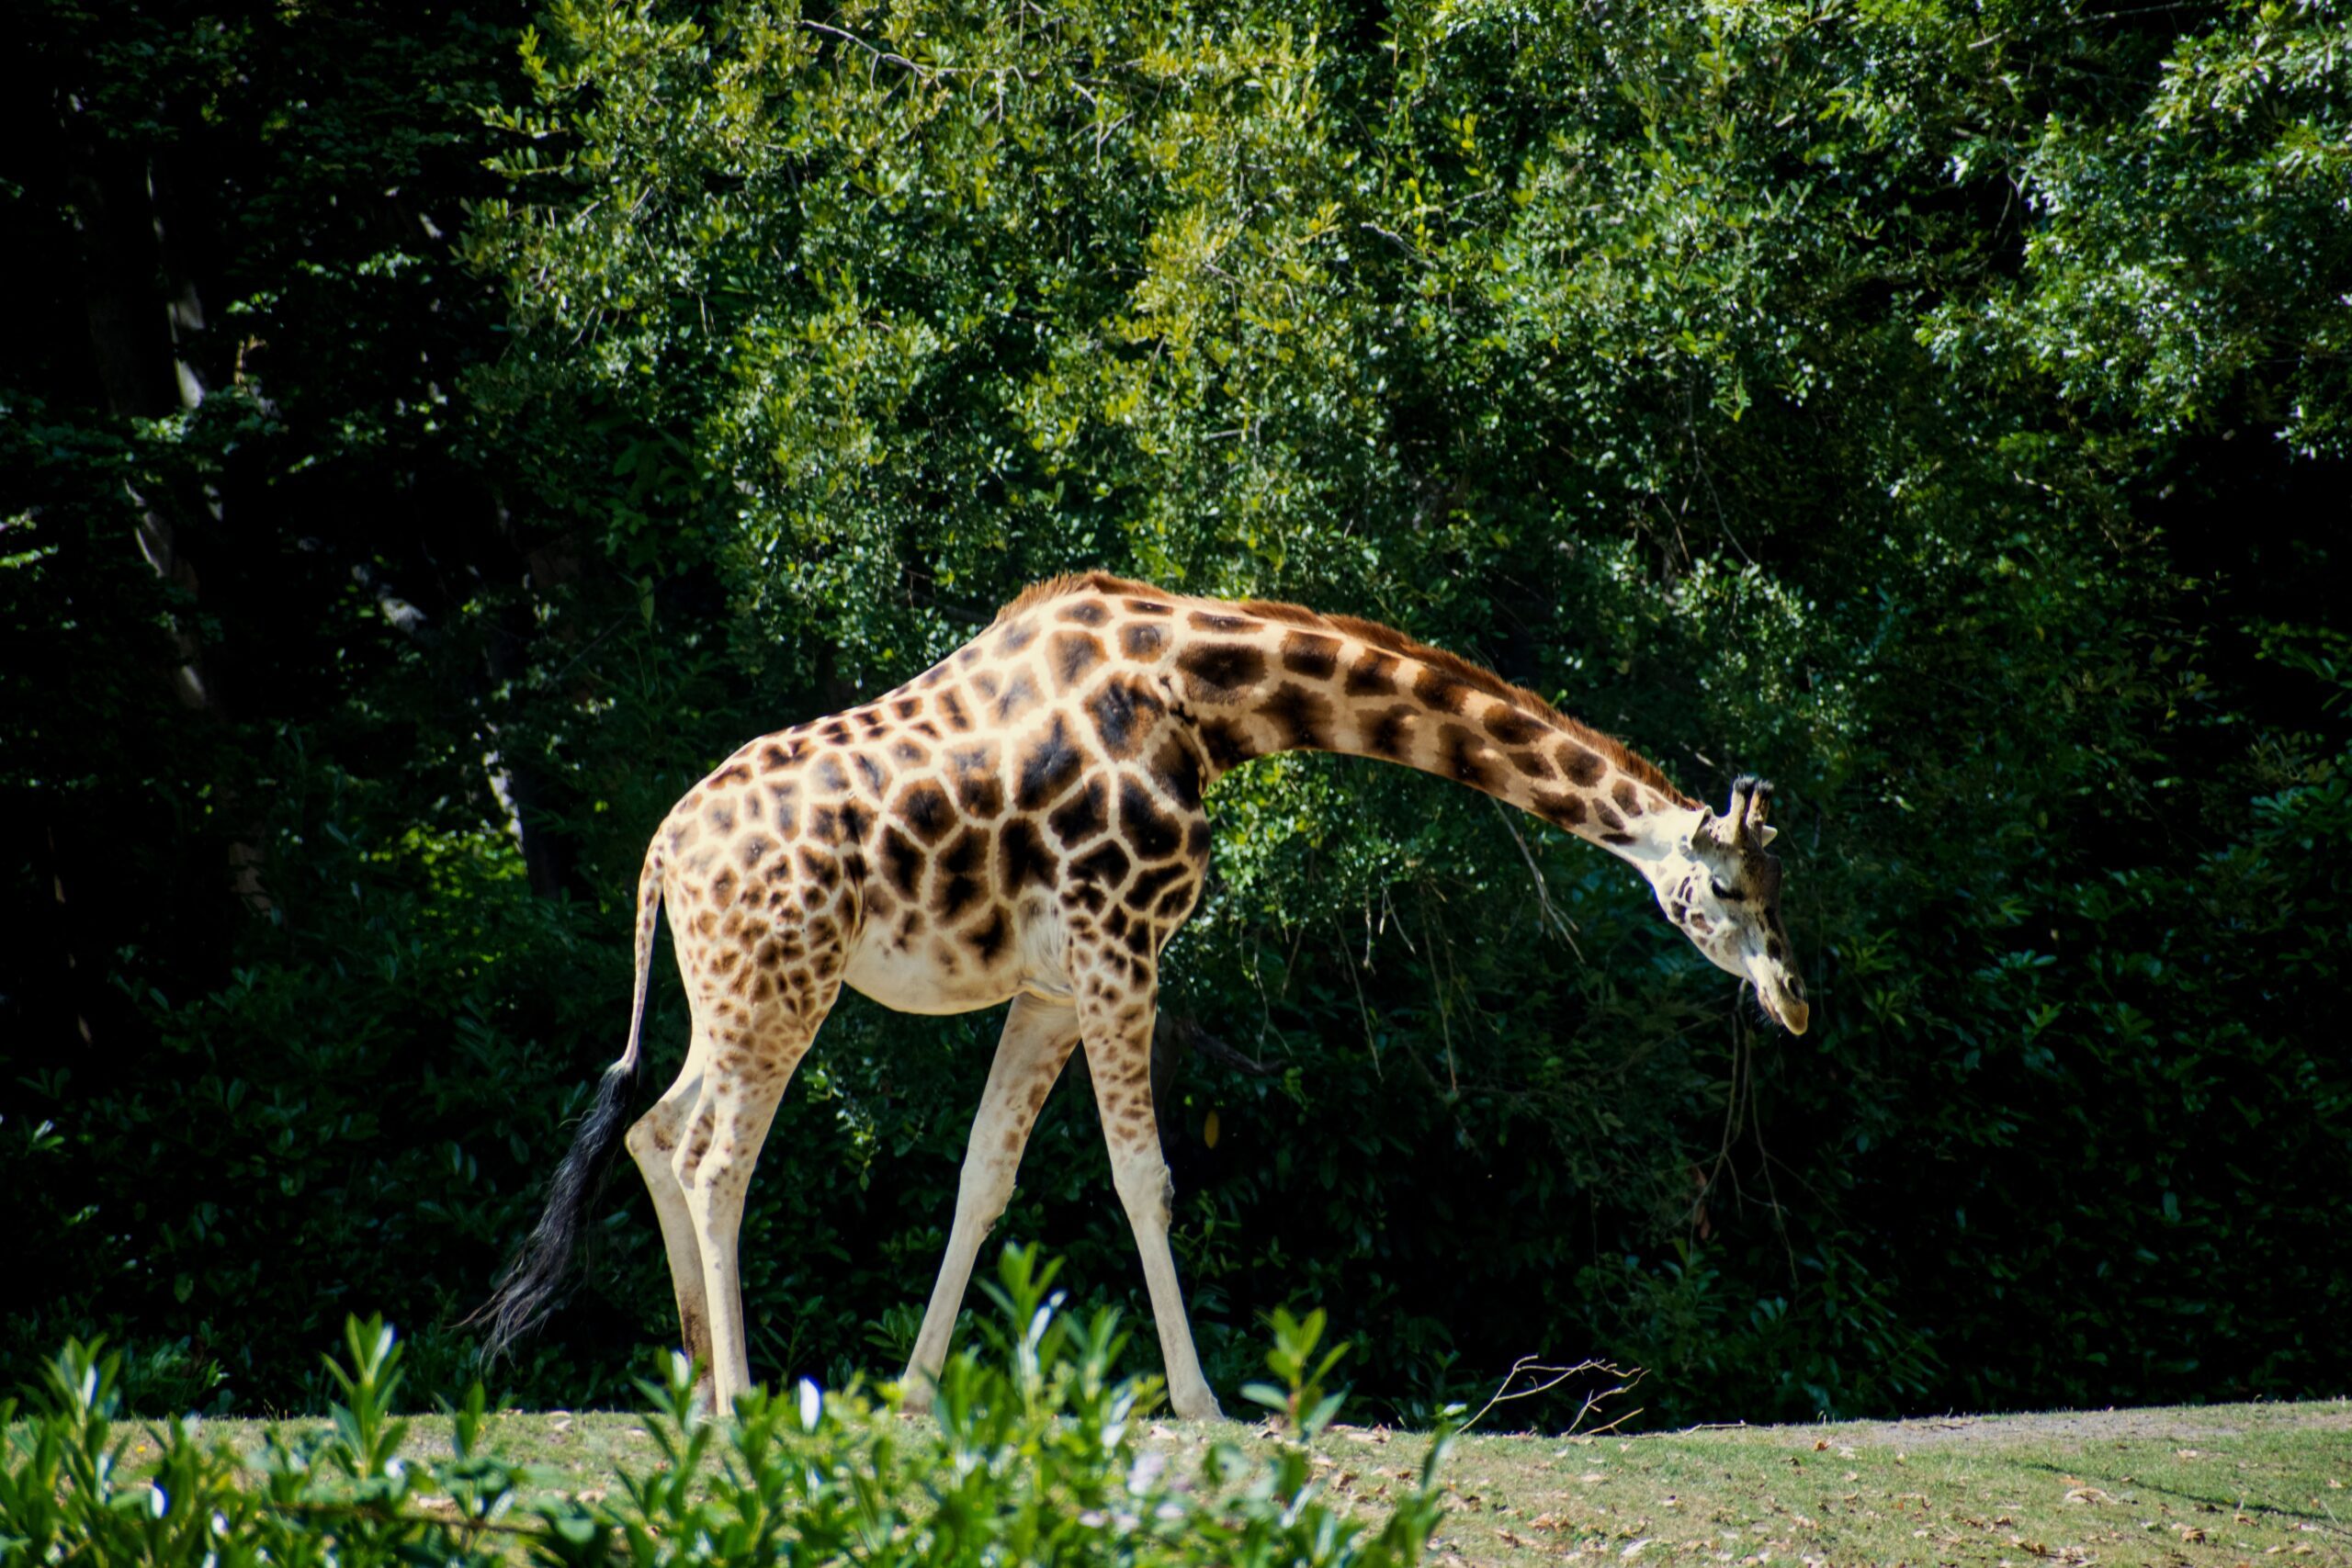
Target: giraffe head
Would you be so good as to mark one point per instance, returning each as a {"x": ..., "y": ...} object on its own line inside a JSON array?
[{"x": 1723, "y": 889}]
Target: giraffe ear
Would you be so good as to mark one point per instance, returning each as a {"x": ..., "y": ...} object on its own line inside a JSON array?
[
  {"x": 1718, "y": 832},
  {"x": 1751, "y": 801},
  {"x": 1765, "y": 835},
  {"x": 1731, "y": 829}
]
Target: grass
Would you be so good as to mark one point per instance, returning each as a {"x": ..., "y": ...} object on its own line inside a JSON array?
[{"x": 2221, "y": 1485}]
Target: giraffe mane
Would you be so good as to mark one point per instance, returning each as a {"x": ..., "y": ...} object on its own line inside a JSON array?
[
  {"x": 1388, "y": 639},
  {"x": 1081, "y": 582}
]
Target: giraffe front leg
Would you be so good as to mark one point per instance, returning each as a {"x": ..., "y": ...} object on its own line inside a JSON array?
[
  {"x": 1116, "y": 1025},
  {"x": 1038, "y": 1038}
]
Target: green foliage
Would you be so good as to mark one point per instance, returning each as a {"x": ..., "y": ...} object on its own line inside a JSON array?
[
  {"x": 1938, "y": 409},
  {"x": 320, "y": 1116},
  {"x": 344, "y": 1493},
  {"x": 2167, "y": 278},
  {"x": 1299, "y": 1398},
  {"x": 1034, "y": 1458}
]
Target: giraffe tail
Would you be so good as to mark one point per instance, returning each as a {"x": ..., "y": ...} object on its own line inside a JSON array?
[
  {"x": 533, "y": 1283},
  {"x": 649, "y": 912}
]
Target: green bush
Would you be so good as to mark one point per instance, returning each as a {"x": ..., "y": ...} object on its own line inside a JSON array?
[
  {"x": 1033, "y": 1457},
  {"x": 1938, "y": 409}
]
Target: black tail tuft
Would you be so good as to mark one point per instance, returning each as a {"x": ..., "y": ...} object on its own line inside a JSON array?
[{"x": 533, "y": 1282}]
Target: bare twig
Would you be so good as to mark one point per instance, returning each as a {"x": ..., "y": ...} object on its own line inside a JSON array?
[
  {"x": 1364, "y": 1008},
  {"x": 591, "y": 646},
  {"x": 878, "y": 56},
  {"x": 1398, "y": 240},
  {"x": 921, "y": 72},
  {"x": 1186, "y": 1031},
  {"x": 1547, "y": 915},
  {"x": 1552, "y": 1377},
  {"x": 1444, "y": 1008}
]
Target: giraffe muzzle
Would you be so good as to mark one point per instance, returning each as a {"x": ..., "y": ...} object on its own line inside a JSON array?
[{"x": 1783, "y": 996}]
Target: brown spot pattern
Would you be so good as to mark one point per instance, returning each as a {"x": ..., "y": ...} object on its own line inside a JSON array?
[
  {"x": 1050, "y": 768},
  {"x": 1373, "y": 674},
  {"x": 1074, "y": 656},
  {"x": 1582, "y": 767},
  {"x": 1084, "y": 816},
  {"x": 1220, "y": 670},
  {"x": 1123, "y": 713},
  {"x": 1301, "y": 718}
]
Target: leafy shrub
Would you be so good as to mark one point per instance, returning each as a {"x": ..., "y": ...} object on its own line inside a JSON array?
[{"x": 1033, "y": 1457}]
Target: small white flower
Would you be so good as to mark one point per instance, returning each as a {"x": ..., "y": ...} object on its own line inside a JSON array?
[
  {"x": 1144, "y": 1470},
  {"x": 219, "y": 1523},
  {"x": 812, "y": 1402},
  {"x": 394, "y": 1468},
  {"x": 158, "y": 1503}
]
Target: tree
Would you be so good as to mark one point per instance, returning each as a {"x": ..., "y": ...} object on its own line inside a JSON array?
[{"x": 1941, "y": 409}]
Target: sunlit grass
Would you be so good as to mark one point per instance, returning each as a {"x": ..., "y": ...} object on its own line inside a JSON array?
[{"x": 2217, "y": 1485}]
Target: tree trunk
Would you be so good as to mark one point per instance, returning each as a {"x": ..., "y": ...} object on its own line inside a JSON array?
[{"x": 145, "y": 313}]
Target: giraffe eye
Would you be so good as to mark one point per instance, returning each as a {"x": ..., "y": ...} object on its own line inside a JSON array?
[{"x": 1727, "y": 895}]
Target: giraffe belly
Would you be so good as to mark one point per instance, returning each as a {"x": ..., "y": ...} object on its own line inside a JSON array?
[
  {"x": 921, "y": 973},
  {"x": 908, "y": 979}
]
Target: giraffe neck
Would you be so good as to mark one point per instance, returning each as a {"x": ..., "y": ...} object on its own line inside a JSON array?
[{"x": 1256, "y": 679}]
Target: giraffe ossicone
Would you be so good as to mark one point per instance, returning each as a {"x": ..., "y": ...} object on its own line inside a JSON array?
[{"x": 1023, "y": 822}]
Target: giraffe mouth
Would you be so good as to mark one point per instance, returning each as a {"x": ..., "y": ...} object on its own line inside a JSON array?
[
  {"x": 1783, "y": 997},
  {"x": 1784, "y": 1000}
]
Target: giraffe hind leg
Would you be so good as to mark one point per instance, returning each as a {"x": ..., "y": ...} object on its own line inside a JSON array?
[
  {"x": 655, "y": 1137},
  {"x": 752, "y": 1053}
]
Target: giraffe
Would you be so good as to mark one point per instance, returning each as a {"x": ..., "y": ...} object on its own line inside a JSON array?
[{"x": 1023, "y": 822}]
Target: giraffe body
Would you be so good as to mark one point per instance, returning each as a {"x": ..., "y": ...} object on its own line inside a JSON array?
[{"x": 1024, "y": 821}]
